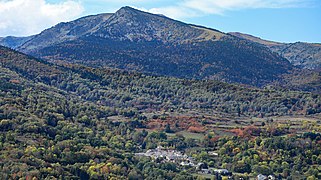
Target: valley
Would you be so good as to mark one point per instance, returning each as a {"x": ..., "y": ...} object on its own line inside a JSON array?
[{"x": 64, "y": 117}]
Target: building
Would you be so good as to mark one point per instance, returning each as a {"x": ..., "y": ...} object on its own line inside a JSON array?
[
  {"x": 223, "y": 172},
  {"x": 169, "y": 156},
  {"x": 261, "y": 177}
]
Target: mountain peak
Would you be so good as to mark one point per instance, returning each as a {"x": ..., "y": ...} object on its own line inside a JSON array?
[
  {"x": 128, "y": 11},
  {"x": 127, "y": 8},
  {"x": 135, "y": 25},
  {"x": 131, "y": 9}
]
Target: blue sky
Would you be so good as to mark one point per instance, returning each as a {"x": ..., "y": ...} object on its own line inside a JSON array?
[{"x": 278, "y": 20}]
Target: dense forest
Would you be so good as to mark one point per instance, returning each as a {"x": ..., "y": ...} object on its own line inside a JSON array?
[
  {"x": 139, "y": 92},
  {"x": 228, "y": 59},
  {"x": 301, "y": 80},
  {"x": 56, "y": 123}
]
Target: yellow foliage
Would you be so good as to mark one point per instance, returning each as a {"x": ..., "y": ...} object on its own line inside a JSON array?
[
  {"x": 236, "y": 150},
  {"x": 224, "y": 178}
]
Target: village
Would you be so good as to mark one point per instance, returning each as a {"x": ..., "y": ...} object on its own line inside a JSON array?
[{"x": 162, "y": 155}]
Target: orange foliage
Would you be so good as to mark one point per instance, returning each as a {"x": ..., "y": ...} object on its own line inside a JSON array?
[
  {"x": 15, "y": 81},
  {"x": 195, "y": 129},
  {"x": 180, "y": 123},
  {"x": 252, "y": 131},
  {"x": 215, "y": 139},
  {"x": 237, "y": 132}
]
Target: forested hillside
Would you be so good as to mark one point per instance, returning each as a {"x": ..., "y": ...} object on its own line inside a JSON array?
[
  {"x": 301, "y": 80},
  {"x": 224, "y": 60},
  {"x": 118, "y": 88}
]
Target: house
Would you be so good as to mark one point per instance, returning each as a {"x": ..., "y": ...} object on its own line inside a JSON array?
[
  {"x": 261, "y": 177},
  {"x": 223, "y": 172},
  {"x": 187, "y": 163},
  {"x": 271, "y": 177},
  {"x": 200, "y": 166},
  {"x": 212, "y": 153}
]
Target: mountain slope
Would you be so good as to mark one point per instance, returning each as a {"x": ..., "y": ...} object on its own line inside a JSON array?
[
  {"x": 134, "y": 40},
  {"x": 303, "y": 55},
  {"x": 97, "y": 84},
  {"x": 64, "y": 32},
  {"x": 255, "y": 39}
]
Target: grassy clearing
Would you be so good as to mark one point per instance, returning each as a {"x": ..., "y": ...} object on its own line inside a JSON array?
[
  {"x": 206, "y": 176},
  {"x": 190, "y": 135},
  {"x": 219, "y": 132}
]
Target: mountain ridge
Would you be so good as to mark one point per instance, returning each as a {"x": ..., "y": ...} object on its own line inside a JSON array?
[
  {"x": 14, "y": 42},
  {"x": 301, "y": 54}
]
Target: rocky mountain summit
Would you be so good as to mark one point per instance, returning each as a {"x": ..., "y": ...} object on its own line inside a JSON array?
[{"x": 126, "y": 24}]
